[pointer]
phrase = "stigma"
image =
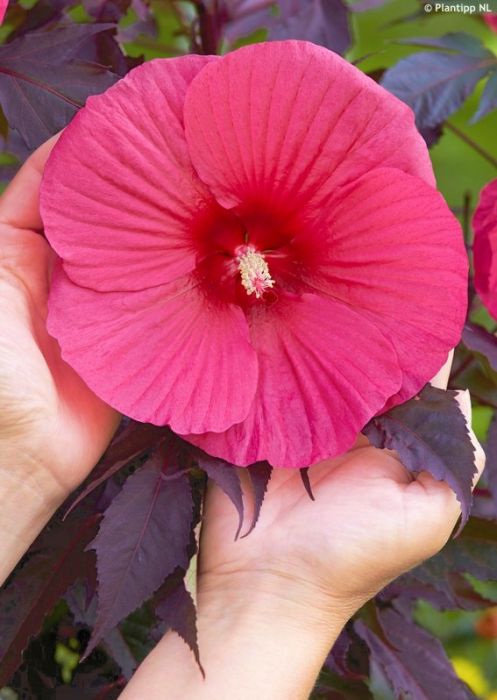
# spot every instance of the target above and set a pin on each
(254, 272)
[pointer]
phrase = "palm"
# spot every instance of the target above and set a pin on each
(45, 409)
(369, 522)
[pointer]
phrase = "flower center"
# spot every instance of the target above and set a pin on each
(254, 271)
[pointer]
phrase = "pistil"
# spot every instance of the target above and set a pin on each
(254, 272)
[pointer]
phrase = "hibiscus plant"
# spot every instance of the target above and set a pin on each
(254, 267)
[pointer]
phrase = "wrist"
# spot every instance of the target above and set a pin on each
(260, 634)
(28, 499)
(264, 598)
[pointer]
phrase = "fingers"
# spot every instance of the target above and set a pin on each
(20, 203)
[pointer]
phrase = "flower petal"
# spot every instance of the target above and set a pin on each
(324, 372)
(293, 119)
(485, 247)
(162, 355)
(119, 191)
(396, 254)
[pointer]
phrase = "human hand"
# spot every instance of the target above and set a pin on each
(53, 429)
(271, 605)
(370, 522)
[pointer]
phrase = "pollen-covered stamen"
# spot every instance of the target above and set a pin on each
(254, 272)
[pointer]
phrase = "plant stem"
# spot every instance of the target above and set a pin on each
(466, 217)
(472, 144)
(208, 23)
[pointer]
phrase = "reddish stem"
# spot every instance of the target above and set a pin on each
(209, 27)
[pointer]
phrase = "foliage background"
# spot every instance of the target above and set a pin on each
(49, 667)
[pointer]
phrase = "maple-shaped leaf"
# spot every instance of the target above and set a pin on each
(107, 10)
(415, 663)
(331, 686)
(435, 84)
(132, 441)
(56, 560)
(348, 656)
(260, 474)
(144, 536)
(429, 433)
(488, 100)
(177, 610)
(42, 13)
(114, 643)
(473, 552)
(243, 17)
(226, 477)
(324, 22)
(43, 83)
(304, 475)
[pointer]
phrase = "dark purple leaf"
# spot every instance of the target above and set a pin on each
(260, 473)
(177, 611)
(324, 22)
(491, 464)
(114, 642)
(436, 84)
(429, 433)
(107, 10)
(416, 664)
(484, 503)
(145, 535)
(245, 16)
(131, 442)
(454, 41)
(43, 84)
(141, 9)
(90, 686)
(431, 134)
(117, 647)
(473, 552)
(43, 13)
(57, 559)
(333, 687)
(226, 477)
(488, 100)
(336, 660)
(483, 385)
(105, 50)
(479, 340)
(348, 656)
(304, 475)
(409, 589)
(14, 145)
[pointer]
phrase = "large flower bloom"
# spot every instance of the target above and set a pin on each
(485, 247)
(252, 251)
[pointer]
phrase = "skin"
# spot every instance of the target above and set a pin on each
(270, 605)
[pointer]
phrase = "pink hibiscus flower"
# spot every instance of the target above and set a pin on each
(485, 247)
(252, 251)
